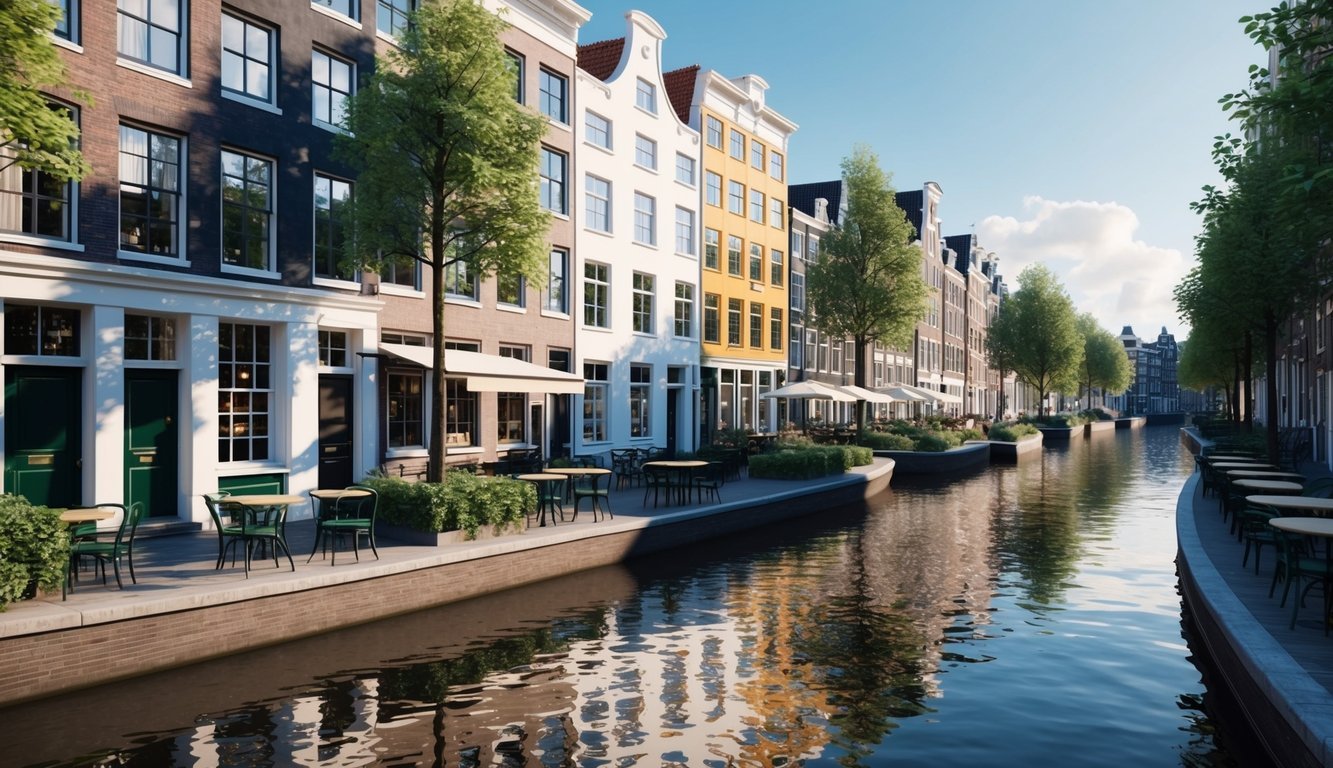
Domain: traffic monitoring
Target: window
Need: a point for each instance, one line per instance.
(247, 211)
(511, 289)
(736, 197)
(775, 330)
(775, 271)
(244, 392)
(553, 181)
(460, 418)
(342, 7)
(713, 132)
(775, 212)
(247, 55)
(775, 165)
(797, 293)
(596, 294)
(518, 65)
(756, 325)
(332, 81)
(734, 309)
(403, 271)
(552, 94)
(459, 281)
(684, 310)
(712, 308)
(810, 356)
(713, 188)
(404, 408)
(756, 262)
(391, 16)
(645, 95)
(644, 287)
(333, 349)
(47, 331)
(150, 192)
(640, 388)
(756, 206)
(67, 26)
(756, 155)
(645, 152)
(597, 130)
(798, 245)
(812, 249)
(597, 199)
(737, 144)
(711, 238)
(835, 357)
(594, 402)
(733, 255)
(151, 32)
(645, 219)
(557, 299)
(150, 338)
(794, 350)
(33, 202)
(684, 232)
(331, 198)
(685, 169)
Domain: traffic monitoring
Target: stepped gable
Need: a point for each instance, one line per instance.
(680, 89)
(601, 58)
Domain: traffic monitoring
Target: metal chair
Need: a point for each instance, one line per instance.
(111, 551)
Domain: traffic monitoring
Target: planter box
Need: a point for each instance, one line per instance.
(1098, 426)
(1054, 434)
(1004, 452)
(973, 454)
(424, 539)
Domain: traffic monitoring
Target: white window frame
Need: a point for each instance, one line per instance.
(682, 320)
(640, 400)
(177, 255)
(685, 231)
(592, 131)
(645, 96)
(686, 170)
(248, 57)
(596, 295)
(152, 22)
(643, 302)
(645, 219)
(597, 203)
(596, 385)
(337, 98)
(645, 152)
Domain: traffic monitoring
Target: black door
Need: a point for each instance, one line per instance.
(335, 431)
(673, 396)
(43, 441)
(151, 441)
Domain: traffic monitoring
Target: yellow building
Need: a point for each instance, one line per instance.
(744, 269)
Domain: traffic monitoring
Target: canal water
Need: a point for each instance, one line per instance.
(1015, 616)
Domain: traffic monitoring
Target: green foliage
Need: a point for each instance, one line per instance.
(809, 462)
(1104, 364)
(34, 547)
(934, 442)
(32, 134)
(463, 502)
(933, 434)
(1011, 433)
(887, 441)
(731, 438)
(1036, 334)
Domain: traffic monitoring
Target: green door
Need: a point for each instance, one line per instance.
(151, 441)
(43, 442)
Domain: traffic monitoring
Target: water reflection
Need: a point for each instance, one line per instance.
(936, 624)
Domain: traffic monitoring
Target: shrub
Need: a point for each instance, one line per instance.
(969, 434)
(933, 442)
(886, 441)
(463, 502)
(1011, 433)
(805, 463)
(34, 548)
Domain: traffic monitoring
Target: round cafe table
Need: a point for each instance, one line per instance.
(593, 474)
(86, 515)
(683, 469)
(266, 516)
(1319, 527)
(1315, 506)
(543, 480)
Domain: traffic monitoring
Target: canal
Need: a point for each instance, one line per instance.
(1012, 616)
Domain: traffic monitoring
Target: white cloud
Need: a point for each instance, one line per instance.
(1091, 248)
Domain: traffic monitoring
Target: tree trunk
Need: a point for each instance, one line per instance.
(1270, 386)
(435, 465)
(859, 379)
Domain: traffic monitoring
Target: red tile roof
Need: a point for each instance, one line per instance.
(600, 59)
(680, 89)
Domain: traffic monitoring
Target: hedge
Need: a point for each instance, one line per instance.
(463, 502)
(1011, 433)
(805, 463)
(34, 549)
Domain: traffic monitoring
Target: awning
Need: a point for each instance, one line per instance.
(861, 393)
(810, 390)
(901, 394)
(931, 394)
(492, 373)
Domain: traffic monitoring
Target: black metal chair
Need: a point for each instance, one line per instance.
(351, 515)
(230, 530)
(111, 551)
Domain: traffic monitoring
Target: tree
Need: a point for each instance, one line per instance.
(33, 134)
(1206, 362)
(445, 154)
(867, 282)
(1104, 364)
(1036, 334)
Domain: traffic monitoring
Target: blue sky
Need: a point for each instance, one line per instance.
(1071, 133)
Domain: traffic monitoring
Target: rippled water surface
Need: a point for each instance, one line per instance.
(1017, 616)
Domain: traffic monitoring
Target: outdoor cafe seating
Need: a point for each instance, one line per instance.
(341, 514)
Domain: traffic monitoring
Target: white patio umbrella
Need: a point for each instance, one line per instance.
(861, 393)
(903, 394)
(810, 390)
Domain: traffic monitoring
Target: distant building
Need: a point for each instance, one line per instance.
(1155, 388)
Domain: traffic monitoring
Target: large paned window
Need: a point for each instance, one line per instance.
(685, 169)
(597, 130)
(405, 408)
(711, 245)
(553, 165)
(150, 191)
(596, 295)
(713, 132)
(245, 392)
(736, 197)
(645, 95)
(640, 392)
(597, 200)
(734, 309)
(346, 8)
(684, 232)
(756, 206)
(756, 155)
(33, 202)
(712, 321)
(46, 331)
(645, 152)
(775, 212)
(509, 416)
(644, 290)
(553, 99)
(460, 281)
(645, 219)
(812, 249)
(333, 349)
(595, 385)
(403, 271)
(247, 58)
(775, 165)
(733, 255)
(797, 293)
(460, 418)
(681, 321)
(798, 245)
(713, 188)
(557, 296)
(517, 65)
(756, 262)
(737, 144)
(392, 16)
(756, 325)
(153, 32)
(67, 26)
(776, 269)
(247, 211)
(810, 358)
(149, 338)
(332, 81)
(511, 289)
(775, 329)
(331, 199)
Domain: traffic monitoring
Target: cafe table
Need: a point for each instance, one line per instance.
(265, 517)
(326, 497)
(543, 481)
(1313, 505)
(75, 517)
(1264, 474)
(683, 469)
(593, 474)
(1318, 527)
